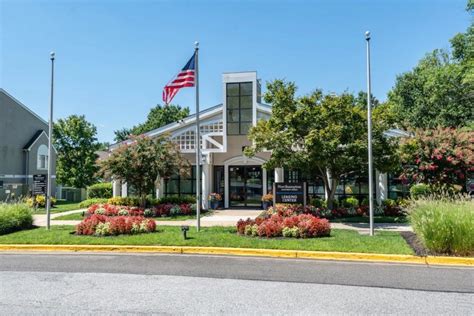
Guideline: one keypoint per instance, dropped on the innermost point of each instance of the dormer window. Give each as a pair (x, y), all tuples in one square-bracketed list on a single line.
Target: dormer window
[(239, 107), (42, 158)]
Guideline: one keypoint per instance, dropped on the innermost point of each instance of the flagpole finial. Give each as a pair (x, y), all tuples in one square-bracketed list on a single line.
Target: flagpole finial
[(196, 44)]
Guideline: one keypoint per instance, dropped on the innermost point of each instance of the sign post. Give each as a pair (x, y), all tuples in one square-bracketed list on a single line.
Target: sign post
[(289, 193)]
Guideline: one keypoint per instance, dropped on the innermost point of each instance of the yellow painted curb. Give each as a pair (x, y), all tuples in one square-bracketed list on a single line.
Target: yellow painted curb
[(455, 261), (275, 253)]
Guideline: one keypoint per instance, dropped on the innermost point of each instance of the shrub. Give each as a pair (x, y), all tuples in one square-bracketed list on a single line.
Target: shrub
[(114, 210), (149, 213), (444, 226), (420, 190), (296, 226), (39, 201), (14, 217), (100, 191), (351, 202), (177, 200), (101, 225), (126, 201), (389, 203), (317, 202), (87, 203)]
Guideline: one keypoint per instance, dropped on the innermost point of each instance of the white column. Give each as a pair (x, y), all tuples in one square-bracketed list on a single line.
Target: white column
[(158, 188), (115, 188), (381, 189), (279, 175), (124, 189), (326, 193), (205, 184), (226, 185)]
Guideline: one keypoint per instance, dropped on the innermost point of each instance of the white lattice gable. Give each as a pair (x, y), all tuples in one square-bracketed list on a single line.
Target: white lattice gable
[(212, 135)]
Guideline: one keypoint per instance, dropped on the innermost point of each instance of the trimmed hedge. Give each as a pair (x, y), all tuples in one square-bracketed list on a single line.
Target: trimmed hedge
[(100, 191), (15, 217)]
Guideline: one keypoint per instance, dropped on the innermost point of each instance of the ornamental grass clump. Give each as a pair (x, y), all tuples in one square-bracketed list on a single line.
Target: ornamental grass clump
[(14, 217), (444, 225)]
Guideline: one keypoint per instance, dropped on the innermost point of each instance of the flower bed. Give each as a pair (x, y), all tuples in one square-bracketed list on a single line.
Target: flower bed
[(157, 211), (101, 225), (296, 226)]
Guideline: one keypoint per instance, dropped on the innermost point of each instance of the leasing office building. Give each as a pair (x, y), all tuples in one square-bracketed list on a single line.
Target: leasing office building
[(225, 169)]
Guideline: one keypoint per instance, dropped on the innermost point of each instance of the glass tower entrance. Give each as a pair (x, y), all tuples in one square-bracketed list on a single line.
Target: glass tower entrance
[(245, 186)]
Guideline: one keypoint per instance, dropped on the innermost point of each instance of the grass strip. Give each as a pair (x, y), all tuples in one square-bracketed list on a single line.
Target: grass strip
[(341, 240)]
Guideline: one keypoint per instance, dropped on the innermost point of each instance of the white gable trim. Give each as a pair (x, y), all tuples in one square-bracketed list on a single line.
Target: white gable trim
[(39, 136)]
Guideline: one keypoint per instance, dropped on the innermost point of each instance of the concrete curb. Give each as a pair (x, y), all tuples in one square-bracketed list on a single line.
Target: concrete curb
[(274, 253)]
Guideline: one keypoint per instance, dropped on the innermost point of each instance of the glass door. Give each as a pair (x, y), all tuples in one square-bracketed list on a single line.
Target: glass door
[(245, 186)]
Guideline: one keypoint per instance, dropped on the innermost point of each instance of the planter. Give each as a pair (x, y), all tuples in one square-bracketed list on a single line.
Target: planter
[(214, 205)]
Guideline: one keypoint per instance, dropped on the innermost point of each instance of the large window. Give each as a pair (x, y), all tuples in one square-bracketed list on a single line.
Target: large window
[(239, 108), (180, 186), (397, 187)]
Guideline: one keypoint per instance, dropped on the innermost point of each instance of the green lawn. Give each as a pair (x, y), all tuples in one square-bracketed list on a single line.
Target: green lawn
[(78, 216), (340, 240), (61, 206), (364, 219)]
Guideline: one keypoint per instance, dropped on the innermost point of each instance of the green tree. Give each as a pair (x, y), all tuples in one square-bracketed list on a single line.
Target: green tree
[(157, 117), (323, 135), (439, 91), (142, 161), (76, 143)]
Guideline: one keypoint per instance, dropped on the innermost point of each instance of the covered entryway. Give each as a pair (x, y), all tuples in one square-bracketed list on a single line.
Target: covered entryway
[(245, 186)]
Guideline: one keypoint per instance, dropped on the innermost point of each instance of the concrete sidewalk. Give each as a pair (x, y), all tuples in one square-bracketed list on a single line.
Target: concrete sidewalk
[(228, 218)]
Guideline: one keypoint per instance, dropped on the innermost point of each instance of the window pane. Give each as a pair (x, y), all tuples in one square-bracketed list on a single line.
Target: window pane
[(172, 187), (244, 128), (233, 128), (246, 88), (233, 102), (232, 115), (233, 89), (246, 115), (186, 186), (245, 102)]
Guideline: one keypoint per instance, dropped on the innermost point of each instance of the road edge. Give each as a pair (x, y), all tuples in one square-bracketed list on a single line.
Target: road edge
[(273, 253)]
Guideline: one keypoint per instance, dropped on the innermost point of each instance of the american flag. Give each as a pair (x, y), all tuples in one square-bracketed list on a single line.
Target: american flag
[(184, 79)]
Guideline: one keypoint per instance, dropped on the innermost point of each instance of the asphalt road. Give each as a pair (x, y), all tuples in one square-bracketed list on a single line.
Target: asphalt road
[(180, 284)]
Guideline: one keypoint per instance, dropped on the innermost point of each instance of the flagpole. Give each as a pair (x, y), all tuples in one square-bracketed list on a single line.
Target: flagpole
[(197, 141), (369, 130)]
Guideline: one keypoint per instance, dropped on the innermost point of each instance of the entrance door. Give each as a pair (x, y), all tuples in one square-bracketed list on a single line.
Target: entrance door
[(245, 186)]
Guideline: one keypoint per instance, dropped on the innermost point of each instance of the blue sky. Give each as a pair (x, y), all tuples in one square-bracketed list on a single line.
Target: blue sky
[(114, 57)]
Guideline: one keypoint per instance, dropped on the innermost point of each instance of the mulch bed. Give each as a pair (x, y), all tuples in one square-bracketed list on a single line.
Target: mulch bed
[(415, 243)]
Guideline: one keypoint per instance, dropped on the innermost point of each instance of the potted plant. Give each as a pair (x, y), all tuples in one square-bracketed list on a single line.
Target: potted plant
[(214, 199), (267, 200)]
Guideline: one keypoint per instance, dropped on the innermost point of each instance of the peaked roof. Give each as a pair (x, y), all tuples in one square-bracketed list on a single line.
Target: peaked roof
[(22, 105), (33, 140)]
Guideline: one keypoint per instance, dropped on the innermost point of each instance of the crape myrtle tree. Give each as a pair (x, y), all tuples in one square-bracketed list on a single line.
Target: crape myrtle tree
[(441, 157), (142, 161), (324, 135), (76, 143), (157, 117)]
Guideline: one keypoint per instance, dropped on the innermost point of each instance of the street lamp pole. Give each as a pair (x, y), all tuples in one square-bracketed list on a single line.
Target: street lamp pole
[(50, 149), (369, 130)]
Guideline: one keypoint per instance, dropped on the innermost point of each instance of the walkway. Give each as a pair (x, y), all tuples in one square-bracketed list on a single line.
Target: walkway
[(228, 217)]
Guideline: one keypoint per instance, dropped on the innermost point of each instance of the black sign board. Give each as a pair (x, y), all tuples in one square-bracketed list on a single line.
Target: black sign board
[(39, 184), (289, 193)]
